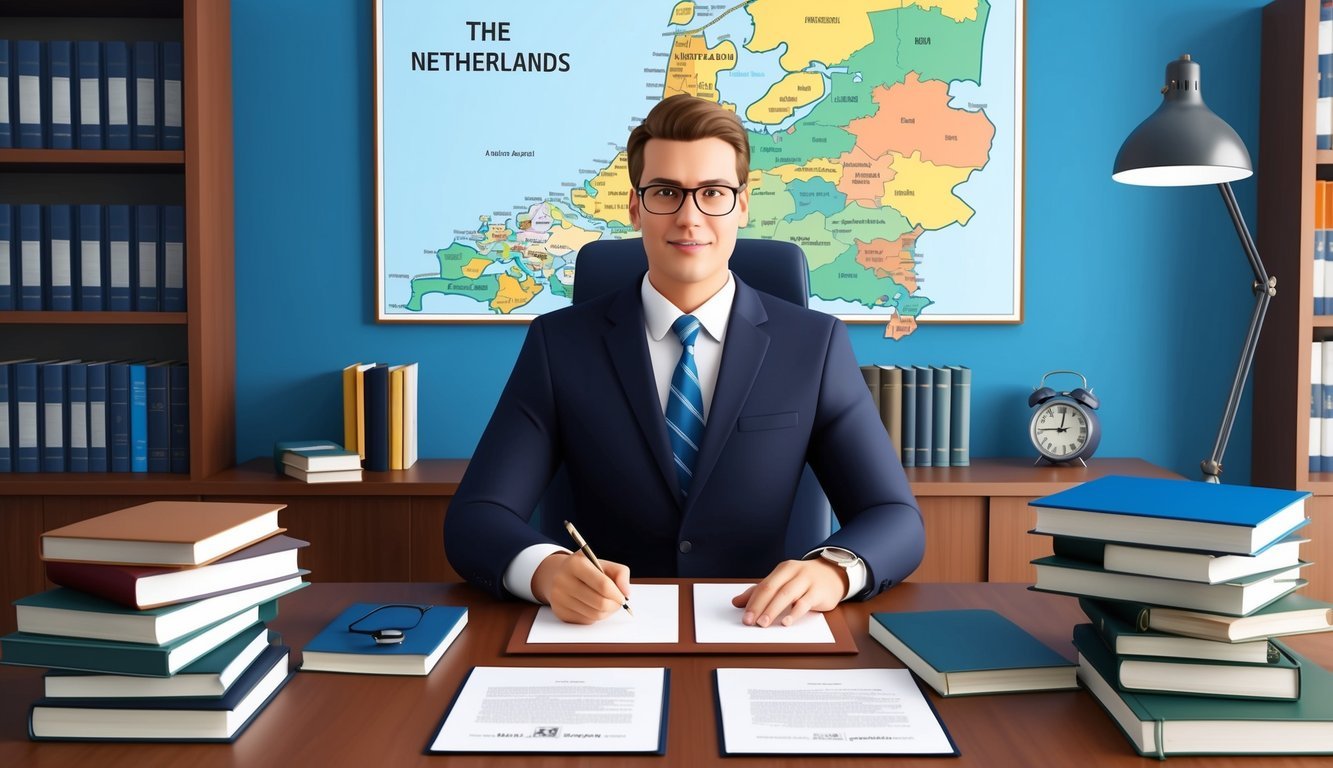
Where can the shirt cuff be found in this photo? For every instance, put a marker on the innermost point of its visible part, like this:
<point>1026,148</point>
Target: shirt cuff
<point>518,576</point>
<point>856,572</point>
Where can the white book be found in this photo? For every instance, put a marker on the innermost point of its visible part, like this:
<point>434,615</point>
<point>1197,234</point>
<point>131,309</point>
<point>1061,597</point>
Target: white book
<point>410,373</point>
<point>1201,566</point>
<point>1238,598</point>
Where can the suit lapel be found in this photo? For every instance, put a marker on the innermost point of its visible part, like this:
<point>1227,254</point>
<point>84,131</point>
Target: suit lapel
<point>628,349</point>
<point>742,355</point>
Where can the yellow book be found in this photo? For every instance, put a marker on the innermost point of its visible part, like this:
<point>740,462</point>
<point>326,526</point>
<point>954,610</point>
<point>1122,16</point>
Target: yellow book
<point>409,415</point>
<point>396,376</point>
<point>354,407</point>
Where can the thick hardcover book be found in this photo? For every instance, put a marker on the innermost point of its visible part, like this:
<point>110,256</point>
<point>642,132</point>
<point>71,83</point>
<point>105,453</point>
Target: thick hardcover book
<point>1159,724</point>
<point>960,423</point>
<point>88,118</point>
<point>58,258</point>
<point>173,104</point>
<point>314,456</point>
<point>210,676</point>
<point>1292,614</point>
<point>61,100</point>
<point>335,649</point>
<point>925,416</point>
<point>377,418</point>
<point>185,719</point>
<point>106,656</point>
<point>27,64</point>
<point>142,587</point>
<point>1126,639</point>
<point>1208,517</point>
<point>325,476</point>
<point>942,648</point>
<point>116,65</point>
<point>143,115</point>
<point>98,458</point>
<point>1240,597</point>
<point>871,375</point>
<point>891,403</point>
<point>1180,564</point>
<point>90,293</point>
<point>164,533</point>
<point>68,613</point>
<point>942,415</point>
<point>76,389</point>
<point>909,417</point>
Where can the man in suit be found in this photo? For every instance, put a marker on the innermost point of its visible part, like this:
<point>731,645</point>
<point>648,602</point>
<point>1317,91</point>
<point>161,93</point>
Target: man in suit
<point>683,411</point>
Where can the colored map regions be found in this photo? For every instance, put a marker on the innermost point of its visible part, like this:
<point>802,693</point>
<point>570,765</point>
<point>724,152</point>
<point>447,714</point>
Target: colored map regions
<point>606,196</point>
<point>694,66</point>
<point>789,94</point>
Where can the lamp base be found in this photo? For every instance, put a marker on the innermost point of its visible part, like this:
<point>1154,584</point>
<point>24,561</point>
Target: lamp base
<point>1212,471</point>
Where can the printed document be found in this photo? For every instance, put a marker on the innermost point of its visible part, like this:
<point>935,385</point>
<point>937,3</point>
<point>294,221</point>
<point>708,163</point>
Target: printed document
<point>656,619</point>
<point>716,620</point>
<point>557,709</point>
<point>827,712</point>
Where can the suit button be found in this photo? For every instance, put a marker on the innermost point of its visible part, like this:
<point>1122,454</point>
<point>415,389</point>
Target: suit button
<point>685,547</point>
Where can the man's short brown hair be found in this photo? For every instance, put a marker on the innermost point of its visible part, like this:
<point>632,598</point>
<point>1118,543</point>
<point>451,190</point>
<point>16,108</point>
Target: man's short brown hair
<point>689,118</point>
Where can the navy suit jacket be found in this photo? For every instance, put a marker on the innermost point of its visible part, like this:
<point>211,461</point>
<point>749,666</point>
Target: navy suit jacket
<point>582,394</point>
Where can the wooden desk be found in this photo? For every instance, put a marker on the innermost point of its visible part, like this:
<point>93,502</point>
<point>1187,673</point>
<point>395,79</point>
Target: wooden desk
<point>363,721</point>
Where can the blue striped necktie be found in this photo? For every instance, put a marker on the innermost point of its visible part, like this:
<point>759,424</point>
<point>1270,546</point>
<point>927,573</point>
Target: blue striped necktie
<point>685,404</point>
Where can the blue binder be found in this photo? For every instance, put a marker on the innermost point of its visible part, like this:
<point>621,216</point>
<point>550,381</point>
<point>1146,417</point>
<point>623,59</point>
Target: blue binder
<point>8,254</point>
<point>76,391</point>
<point>143,117</point>
<point>26,429</point>
<point>28,102</point>
<point>6,118</point>
<point>92,259</point>
<point>173,258</point>
<point>52,418</point>
<point>57,258</point>
<point>179,405</point>
<point>116,69</point>
<point>61,101</point>
<point>98,460</point>
<point>7,436</point>
<point>138,418</point>
<point>88,120</point>
<point>158,387</point>
<point>173,104</point>
<point>29,267</point>
<point>147,259</point>
<point>118,297</point>
<point>118,415</point>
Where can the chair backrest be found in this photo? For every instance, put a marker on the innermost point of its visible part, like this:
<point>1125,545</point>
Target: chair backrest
<point>775,267</point>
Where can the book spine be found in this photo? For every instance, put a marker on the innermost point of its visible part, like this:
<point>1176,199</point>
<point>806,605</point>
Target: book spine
<point>92,255</point>
<point>173,258</point>
<point>30,257</point>
<point>891,405</point>
<point>1326,411</point>
<point>157,383</point>
<point>138,418</point>
<point>61,101</point>
<point>109,582</point>
<point>118,416</point>
<point>6,118</point>
<point>116,66</point>
<point>148,236</point>
<point>144,114</point>
<point>909,417</point>
<point>411,373</point>
<point>6,452</point>
<point>98,461</point>
<point>960,428</point>
<point>179,400</point>
<point>54,405</point>
<point>396,417</point>
<point>27,454</point>
<point>58,268</point>
<point>28,104</point>
<point>871,375</point>
<point>7,250</point>
<point>77,390</point>
<point>925,416</point>
<point>1320,245</point>
<point>88,56</point>
<point>377,418</point>
<point>173,103</point>
<point>118,296</point>
<point>943,400</point>
<point>1316,403</point>
<point>1324,107</point>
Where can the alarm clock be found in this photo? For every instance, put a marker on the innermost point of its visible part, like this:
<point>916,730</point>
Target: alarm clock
<point>1064,427</point>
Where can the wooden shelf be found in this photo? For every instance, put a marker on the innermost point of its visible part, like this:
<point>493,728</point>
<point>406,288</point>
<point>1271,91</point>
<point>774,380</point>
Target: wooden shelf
<point>1322,321</point>
<point>93,318</point>
<point>92,160</point>
<point>1323,156</point>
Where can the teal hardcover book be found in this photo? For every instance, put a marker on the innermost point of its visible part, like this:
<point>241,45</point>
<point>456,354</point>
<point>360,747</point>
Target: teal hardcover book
<point>971,651</point>
<point>315,447</point>
<point>1207,517</point>
<point>1111,622</point>
<point>1160,724</point>
<point>337,649</point>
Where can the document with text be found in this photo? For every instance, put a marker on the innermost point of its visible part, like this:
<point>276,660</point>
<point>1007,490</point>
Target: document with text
<point>557,710</point>
<point>656,619</point>
<point>827,712</point>
<point>716,620</point>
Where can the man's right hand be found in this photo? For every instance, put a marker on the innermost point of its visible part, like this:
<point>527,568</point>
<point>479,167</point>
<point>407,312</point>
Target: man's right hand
<point>577,591</point>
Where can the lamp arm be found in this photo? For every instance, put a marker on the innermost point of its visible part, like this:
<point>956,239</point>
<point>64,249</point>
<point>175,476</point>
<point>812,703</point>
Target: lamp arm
<point>1265,288</point>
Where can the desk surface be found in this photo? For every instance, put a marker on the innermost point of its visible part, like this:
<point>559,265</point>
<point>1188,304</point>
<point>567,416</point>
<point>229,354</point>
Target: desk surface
<point>355,720</point>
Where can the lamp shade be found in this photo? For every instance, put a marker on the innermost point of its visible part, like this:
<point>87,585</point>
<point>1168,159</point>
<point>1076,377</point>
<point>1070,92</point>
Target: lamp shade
<point>1183,143</point>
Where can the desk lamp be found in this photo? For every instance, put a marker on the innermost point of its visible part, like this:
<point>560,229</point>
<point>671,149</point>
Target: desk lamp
<point>1184,144</point>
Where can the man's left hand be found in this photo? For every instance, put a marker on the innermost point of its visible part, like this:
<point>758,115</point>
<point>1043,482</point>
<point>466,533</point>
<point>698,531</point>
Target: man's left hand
<point>795,587</point>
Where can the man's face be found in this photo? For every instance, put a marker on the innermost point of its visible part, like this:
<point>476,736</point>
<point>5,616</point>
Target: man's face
<point>689,248</point>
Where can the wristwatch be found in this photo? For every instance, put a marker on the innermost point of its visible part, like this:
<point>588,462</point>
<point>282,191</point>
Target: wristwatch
<point>849,562</point>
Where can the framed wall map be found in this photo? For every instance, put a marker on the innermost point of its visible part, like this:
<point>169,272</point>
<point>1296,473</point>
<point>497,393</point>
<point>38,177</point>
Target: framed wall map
<point>886,140</point>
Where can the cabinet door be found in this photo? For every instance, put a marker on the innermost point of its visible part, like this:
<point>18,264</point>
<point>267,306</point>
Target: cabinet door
<point>1011,547</point>
<point>955,539</point>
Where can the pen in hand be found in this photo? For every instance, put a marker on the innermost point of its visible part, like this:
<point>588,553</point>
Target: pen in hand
<point>587,552</point>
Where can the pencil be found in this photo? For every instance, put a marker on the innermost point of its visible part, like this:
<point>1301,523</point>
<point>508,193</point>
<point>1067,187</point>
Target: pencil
<point>587,552</point>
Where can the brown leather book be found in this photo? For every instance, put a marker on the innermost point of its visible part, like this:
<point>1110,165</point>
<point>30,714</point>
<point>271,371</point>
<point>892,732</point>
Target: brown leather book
<point>171,533</point>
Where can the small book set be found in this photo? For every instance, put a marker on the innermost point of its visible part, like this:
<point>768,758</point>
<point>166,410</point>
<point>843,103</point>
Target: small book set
<point>380,414</point>
<point>927,411</point>
<point>316,461</point>
<point>158,628</point>
<point>1186,586</point>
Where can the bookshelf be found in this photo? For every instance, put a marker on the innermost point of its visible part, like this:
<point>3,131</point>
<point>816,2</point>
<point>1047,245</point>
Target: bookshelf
<point>199,178</point>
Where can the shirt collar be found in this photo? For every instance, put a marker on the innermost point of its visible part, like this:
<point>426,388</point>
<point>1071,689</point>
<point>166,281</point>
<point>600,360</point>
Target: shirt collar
<point>659,313</point>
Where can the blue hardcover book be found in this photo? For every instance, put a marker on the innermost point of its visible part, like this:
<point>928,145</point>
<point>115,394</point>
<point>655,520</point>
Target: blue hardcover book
<point>173,102</point>
<point>76,390</point>
<point>118,296</point>
<point>179,405</point>
<point>147,259</point>
<point>909,416</point>
<point>116,69</point>
<point>60,101</point>
<point>925,416</point>
<point>28,102</point>
<point>377,418</point>
<point>941,426</point>
<point>7,251</point>
<point>158,384</point>
<point>173,258</point>
<point>29,270</point>
<point>92,257</point>
<point>57,269</point>
<point>88,122</point>
<point>118,415</point>
<point>335,649</point>
<point>143,118</point>
<point>960,424</point>
<point>98,460</point>
<point>6,119</point>
<point>138,417</point>
<point>1182,514</point>
<point>52,409</point>
<point>26,430</point>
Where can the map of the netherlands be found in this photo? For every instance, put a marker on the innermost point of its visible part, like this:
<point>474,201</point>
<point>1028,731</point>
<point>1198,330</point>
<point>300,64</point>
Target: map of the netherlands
<point>884,138</point>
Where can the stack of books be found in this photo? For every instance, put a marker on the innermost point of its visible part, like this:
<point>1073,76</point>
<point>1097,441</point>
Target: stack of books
<point>158,630</point>
<point>316,461</point>
<point>380,414</point>
<point>927,410</point>
<point>1187,587</point>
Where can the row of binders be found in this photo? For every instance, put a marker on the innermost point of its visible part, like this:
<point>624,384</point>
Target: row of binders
<point>1186,586</point>
<point>117,258</point>
<point>158,628</point>
<point>91,94</point>
<point>380,414</point>
<point>927,410</point>
<point>78,416</point>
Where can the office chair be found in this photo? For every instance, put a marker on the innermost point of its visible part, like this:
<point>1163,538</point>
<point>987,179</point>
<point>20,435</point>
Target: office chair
<point>774,267</point>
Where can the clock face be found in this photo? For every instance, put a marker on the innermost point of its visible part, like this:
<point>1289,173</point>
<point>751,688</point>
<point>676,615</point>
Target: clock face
<point>1060,430</point>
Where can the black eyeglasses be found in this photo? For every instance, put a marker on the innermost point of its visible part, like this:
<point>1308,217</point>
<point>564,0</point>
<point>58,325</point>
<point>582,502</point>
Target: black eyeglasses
<point>391,624</point>
<point>666,199</point>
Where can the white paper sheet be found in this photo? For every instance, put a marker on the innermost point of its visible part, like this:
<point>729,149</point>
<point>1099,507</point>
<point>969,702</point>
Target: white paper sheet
<point>556,709</point>
<point>716,620</point>
<point>656,619</point>
<point>827,712</point>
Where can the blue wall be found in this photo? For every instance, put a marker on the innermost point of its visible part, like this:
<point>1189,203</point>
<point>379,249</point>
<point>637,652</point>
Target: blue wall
<point>1146,291</point>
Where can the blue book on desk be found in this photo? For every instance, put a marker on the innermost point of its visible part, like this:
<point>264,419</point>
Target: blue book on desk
<point>335,649</point>
<point>88,123</point>
<point>1182,514</point>
<point>61,100</point>
<point>116,69</point>
<point>27,66</point>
